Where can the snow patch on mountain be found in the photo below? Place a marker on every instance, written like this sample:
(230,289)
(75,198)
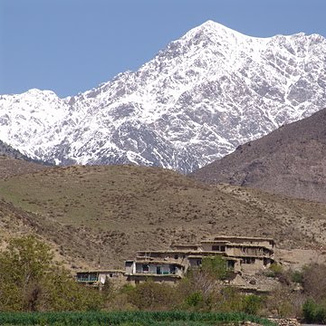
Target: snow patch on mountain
(194,102)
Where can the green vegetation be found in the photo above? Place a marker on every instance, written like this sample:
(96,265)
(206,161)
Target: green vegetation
(275,270)
(101,214)
(313,312)
(32,281)
(314,284)
(139,318)
(216,267)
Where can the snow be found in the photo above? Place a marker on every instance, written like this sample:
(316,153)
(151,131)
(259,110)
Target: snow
(196,101)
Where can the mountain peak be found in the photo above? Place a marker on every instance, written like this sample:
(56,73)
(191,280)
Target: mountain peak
(196,101)
(212,27)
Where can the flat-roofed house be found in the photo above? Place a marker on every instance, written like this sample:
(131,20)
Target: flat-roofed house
(244,255)
(97,278)
(253,253)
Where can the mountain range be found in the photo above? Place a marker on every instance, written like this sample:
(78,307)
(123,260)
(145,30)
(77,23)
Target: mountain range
(290,161)
(196,101)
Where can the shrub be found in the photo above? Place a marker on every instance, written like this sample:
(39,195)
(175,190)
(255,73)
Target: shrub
(252,304)
(275,270)
(194,299)
(297,277)
(152,296)
(313,312)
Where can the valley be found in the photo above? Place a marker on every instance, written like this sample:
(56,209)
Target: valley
(219,135)
(98,216)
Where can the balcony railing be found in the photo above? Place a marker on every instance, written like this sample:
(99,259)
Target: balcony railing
(87,279)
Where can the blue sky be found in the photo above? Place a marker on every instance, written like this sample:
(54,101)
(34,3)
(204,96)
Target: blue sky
(70,46)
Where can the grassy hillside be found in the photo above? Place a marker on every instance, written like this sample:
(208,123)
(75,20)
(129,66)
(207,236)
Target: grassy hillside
(100,215)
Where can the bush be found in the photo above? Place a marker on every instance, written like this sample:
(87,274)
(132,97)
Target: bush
(152,296)
(297,277)
(275,270)
(194,299)
(313,312)
(252,304)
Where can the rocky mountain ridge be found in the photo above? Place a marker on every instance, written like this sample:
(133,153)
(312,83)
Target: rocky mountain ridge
(197,100)
(290,161)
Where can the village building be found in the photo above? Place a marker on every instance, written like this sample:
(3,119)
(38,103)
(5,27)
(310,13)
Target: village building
(97,278)
(243,256)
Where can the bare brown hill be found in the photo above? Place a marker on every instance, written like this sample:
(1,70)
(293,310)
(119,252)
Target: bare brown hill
(16,222)
(11,166)
(289,161)
(97,216)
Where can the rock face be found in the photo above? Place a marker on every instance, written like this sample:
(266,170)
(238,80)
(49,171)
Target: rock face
(6,150)
(291,161)
(194,102)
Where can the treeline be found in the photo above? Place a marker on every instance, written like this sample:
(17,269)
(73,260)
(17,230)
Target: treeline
(32,281)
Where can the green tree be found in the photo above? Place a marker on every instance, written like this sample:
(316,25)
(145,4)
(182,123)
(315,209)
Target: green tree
(61,292)
(31,280)
(23,264)
(216,267)
(152,296)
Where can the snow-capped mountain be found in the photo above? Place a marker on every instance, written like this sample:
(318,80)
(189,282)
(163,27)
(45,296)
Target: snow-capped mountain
(194,102)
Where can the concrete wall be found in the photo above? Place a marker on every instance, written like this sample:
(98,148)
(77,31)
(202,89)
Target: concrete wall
(209,246)
(136,279)
(114,276)
(252,265)
(157,268)
(243,240)
(130,267)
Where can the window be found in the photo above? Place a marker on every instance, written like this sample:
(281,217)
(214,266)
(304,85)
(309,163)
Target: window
(145,268)
(218,248)
(231,264)
(248,260)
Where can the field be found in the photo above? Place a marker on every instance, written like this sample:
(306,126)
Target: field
(128,318)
